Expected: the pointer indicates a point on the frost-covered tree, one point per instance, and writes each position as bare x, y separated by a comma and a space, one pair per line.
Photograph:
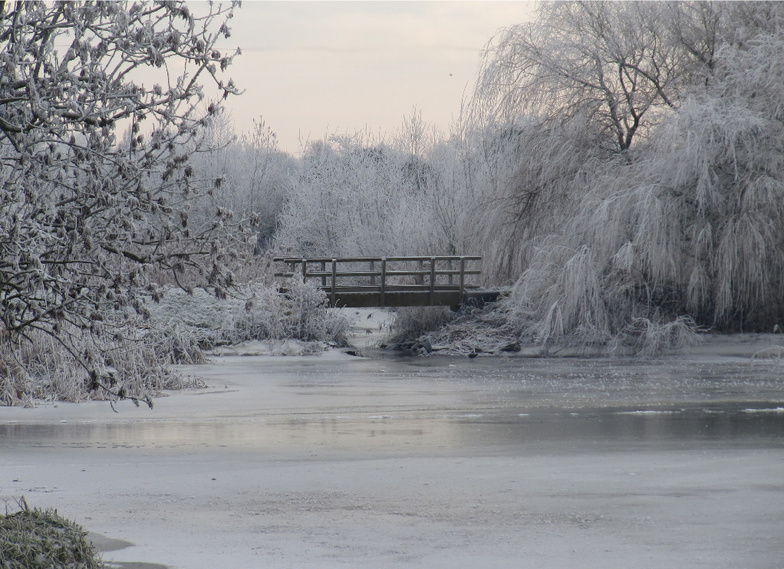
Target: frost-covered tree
618, 64
84, 218
438, 193
343, 190
270, 177
449, 205
692, 223
249, 174
357, 196
568, 91
533, 175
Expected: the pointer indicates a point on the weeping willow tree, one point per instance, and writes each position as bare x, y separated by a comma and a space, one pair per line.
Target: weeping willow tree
689, 225
532, 175
621, 65
562, 96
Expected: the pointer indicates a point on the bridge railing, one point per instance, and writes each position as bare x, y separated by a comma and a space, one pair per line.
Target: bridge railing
382, 276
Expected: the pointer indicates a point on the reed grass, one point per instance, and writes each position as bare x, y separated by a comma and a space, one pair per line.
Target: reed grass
35, 539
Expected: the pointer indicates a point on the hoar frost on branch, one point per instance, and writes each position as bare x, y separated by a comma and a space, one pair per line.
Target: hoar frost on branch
358, 196
84, 218
620, 65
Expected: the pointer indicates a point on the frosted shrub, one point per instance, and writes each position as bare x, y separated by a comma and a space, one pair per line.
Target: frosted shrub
254, 312
474, 330
113, 367
136, 364
413, 322
15, 381
648, 338
306, 316
37, 538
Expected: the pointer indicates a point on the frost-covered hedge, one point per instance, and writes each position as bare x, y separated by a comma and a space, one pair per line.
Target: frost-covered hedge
136, 364
256, 312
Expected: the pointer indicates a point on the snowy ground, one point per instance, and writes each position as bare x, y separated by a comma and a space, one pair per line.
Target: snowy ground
338, 461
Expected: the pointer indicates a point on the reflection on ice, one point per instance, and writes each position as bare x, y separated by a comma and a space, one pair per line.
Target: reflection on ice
648, 412
420, 404
414, 432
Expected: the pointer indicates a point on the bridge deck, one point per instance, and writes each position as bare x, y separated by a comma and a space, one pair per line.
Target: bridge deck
393, 281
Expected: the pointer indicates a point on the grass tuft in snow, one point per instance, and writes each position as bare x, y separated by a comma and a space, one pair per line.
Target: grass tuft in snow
32, 538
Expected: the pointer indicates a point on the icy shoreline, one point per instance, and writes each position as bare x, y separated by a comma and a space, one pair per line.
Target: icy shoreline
369, 327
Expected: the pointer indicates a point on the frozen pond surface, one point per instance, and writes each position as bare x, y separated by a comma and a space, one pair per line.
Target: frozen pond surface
335, 461
441, 402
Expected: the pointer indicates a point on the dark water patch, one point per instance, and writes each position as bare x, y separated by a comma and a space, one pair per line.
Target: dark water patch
727, 424
736, 424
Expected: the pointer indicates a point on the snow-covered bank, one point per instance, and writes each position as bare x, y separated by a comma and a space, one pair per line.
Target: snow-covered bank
366, 328
371, 328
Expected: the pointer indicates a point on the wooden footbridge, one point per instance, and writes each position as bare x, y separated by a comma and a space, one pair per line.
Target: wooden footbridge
393, 281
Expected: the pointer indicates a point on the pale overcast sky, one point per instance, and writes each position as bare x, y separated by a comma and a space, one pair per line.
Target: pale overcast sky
336, 67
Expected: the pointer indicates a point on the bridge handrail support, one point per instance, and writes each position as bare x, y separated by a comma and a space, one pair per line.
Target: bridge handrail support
333, 294
297, 260
462, 277
432, 272
383, 286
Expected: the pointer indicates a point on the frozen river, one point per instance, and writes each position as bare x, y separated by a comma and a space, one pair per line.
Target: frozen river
335, 461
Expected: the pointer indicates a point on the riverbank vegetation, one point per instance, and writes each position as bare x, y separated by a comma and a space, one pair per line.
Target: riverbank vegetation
619, 167
102, 215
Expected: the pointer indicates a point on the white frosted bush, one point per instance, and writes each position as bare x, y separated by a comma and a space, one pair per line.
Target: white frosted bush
129, 366
254, 312
137, 364
411, 323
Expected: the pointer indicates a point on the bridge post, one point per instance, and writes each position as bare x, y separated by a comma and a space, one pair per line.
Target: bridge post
334, 278
372, 269
383, 280
323, 276
432, 279
462, 278
304, 270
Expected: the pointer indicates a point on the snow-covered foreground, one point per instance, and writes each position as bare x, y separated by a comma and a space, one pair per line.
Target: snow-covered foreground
336, 461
